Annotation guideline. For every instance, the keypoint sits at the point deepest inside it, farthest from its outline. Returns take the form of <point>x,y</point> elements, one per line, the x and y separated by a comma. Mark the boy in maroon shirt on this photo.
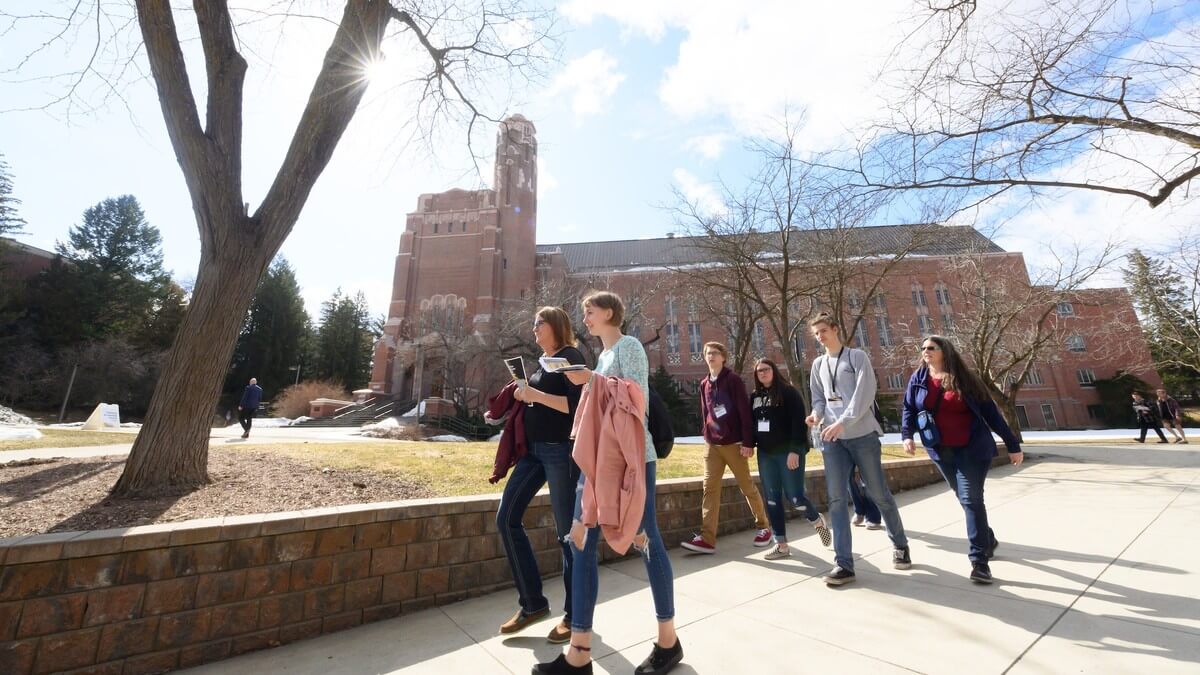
<point>725,411</point>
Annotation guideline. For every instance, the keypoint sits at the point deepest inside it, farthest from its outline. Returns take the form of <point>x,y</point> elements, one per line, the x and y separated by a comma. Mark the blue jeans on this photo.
<point>965,475</point>
<point>586,577</point>
<point>544,463</point>
<point>841,456</point>
<point>779,483</point>
<point>863,506</point>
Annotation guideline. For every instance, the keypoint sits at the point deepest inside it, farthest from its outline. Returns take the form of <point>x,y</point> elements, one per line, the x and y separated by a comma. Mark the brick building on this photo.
<point>471,256</point>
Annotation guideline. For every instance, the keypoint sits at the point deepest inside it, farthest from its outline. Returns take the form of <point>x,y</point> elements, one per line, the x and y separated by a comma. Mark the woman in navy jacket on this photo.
<point>965,416</point>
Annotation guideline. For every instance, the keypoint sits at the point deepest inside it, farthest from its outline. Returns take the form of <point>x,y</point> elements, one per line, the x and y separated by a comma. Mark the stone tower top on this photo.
<point>516,162</point>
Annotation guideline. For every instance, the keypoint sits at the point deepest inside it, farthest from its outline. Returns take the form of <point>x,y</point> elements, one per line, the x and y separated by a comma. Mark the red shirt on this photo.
<point>953,417</point>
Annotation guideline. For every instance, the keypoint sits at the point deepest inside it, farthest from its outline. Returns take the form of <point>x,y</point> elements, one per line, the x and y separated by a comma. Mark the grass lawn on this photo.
<point>70,438</point>
<point>463,468</point>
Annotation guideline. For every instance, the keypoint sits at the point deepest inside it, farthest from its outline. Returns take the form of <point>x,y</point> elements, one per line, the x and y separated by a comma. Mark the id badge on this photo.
<point>836,406</point>
<point>718,411</point>
<point>764,426</point>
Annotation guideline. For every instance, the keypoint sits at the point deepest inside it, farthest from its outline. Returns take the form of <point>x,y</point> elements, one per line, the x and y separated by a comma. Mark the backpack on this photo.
<point>659,422</point>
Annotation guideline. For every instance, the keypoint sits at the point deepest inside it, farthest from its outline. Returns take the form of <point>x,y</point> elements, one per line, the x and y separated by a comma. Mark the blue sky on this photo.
<point>646,96</point>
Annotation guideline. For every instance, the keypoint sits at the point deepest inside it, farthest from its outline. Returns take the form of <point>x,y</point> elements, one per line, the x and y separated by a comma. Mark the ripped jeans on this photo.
<point>585,572</point>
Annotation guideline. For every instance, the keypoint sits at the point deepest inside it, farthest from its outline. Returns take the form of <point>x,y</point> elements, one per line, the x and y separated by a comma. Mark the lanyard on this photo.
<point>833,372</point>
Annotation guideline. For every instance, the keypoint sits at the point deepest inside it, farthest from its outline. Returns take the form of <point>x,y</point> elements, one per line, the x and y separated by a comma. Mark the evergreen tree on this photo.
<point>10,222</point>
<point>274,336</point>
<point>685,418</point>
<point>108,282</point>
<point>345,340</point>
<point>1169,316</point>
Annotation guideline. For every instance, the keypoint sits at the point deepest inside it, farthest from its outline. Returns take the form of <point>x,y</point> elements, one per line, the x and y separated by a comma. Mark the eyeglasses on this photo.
<point>762,370</point>
<point>931,348</point>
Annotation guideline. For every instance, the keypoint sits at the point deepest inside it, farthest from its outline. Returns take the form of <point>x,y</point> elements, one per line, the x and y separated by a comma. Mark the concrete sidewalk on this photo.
<point>1098,571</point>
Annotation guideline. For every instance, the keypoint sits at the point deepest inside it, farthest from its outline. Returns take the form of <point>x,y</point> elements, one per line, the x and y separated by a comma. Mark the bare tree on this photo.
<point>794,239</point>
<point>1081,94</point>
<point>465,47</point>
<point>1008,324</point>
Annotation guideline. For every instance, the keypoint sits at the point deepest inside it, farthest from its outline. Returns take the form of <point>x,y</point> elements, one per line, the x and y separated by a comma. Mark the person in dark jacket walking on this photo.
<point>729,436</point>
<point>1172,417</point>
<point>1146,417</point>
<point>781,437</point>
<point>248,406</point>
<point>965,416</point>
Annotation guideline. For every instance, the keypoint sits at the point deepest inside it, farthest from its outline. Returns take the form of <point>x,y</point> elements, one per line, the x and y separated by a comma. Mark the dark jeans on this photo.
<point>779,484</point>
<point>965,476</point>
<point>246,418</point>
<point>1146,426</point>
<point>658,564</point>
<point>863,506</point>
<point>544,463</point>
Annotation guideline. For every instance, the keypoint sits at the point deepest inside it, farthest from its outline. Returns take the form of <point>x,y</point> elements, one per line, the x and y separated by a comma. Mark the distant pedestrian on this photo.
<point>1147,418</point>
<point>947,405</point>
<point>1168,410</point>
<point>248,406</point>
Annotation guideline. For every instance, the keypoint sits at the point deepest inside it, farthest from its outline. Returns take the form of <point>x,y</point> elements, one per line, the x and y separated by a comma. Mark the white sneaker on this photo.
<point>778,553</point>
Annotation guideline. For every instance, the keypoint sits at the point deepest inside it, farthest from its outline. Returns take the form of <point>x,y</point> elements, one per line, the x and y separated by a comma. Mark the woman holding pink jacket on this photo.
<point>624,358</point>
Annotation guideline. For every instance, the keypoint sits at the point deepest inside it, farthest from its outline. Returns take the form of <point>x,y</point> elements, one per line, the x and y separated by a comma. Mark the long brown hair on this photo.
<point>774,393</point>
<point>560,325</point>
<point>958,376</point>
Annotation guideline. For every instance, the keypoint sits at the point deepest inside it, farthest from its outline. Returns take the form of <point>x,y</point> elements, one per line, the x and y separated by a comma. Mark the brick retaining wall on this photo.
<point>154,598</point>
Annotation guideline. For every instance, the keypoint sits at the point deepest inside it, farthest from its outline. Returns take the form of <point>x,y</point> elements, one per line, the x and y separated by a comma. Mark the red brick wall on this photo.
<point>155,598</point>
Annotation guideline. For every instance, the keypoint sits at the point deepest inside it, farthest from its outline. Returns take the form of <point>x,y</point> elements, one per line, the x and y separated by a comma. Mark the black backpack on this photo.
<point>659,421</point>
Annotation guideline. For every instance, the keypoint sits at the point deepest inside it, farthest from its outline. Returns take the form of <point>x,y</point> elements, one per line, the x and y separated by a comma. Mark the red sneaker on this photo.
<point>697,545</point>
<point>763,538</point>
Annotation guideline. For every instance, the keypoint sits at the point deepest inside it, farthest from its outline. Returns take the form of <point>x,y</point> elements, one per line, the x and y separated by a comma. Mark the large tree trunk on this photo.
<point>171,451</point>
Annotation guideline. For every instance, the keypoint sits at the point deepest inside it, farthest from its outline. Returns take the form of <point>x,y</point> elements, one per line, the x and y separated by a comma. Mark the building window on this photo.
<point>918,297</point>
<point>504,263</point>
<point>694,343</point>
<point>1086,377</point>
<point>1066,309</point>
<point>672,338</point>
<point>670,308</point>
<point>450,227</point>
<point>943,295</point>
<point>880,303</point>
<point>692,310</point>
<point>435,227</point>
<point>895,381</point>
<point>1022,417</point>
<point>854,301</point>
<point>883,331</point>
<point>861,339</point>
<point>1096,412</point>
<point>947,323</point>
<point>1075,343</point>
<point>925,324</point>
<point>1034,378</point>
<point>798,345</point>
<point>1048,415</point>
<point>758,339</point>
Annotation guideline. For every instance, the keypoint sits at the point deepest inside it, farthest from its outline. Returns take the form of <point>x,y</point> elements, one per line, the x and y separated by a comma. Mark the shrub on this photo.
<point>293,401</point>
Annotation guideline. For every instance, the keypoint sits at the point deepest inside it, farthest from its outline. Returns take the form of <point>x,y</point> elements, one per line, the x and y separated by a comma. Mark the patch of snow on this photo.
<point>23,433</point>
<point>412,412</point>
<point>298,420</point>
<point>65,425</point>
<point>12,418</point>
<point>447,438</point>
<point>494,439</point>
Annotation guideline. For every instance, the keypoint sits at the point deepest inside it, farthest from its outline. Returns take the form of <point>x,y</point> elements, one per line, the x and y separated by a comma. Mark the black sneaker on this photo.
<point>560,666</point>
<point>981,573</point>
<point>901,559</point>
<point>661,660</point>
<point>838,576</point>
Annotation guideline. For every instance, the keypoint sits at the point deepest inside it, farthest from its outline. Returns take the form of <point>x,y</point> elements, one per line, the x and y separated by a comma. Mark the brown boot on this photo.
<point>520,621</point>
<point>560,634</point>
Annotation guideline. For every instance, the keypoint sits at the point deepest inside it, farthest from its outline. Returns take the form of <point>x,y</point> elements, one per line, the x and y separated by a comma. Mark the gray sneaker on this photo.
<point>778,553</point>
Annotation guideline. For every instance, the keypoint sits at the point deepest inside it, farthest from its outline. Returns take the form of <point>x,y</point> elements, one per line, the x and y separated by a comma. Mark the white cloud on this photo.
<point>702,194</point>
<point>648,18</point>
<point>708,146</point>
<point>546,180</point>
<point>590,81</point>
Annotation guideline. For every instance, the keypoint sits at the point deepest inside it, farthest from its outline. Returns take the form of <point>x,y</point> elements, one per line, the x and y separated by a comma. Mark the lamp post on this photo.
<point>297,369</point>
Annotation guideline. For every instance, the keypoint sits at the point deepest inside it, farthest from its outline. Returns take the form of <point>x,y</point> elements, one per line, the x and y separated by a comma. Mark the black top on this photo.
<point>787,430</point>
<point>543,423</point>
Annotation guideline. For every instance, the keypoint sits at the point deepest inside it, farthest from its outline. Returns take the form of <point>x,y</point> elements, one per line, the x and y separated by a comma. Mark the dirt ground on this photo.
<point>61,495</point>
